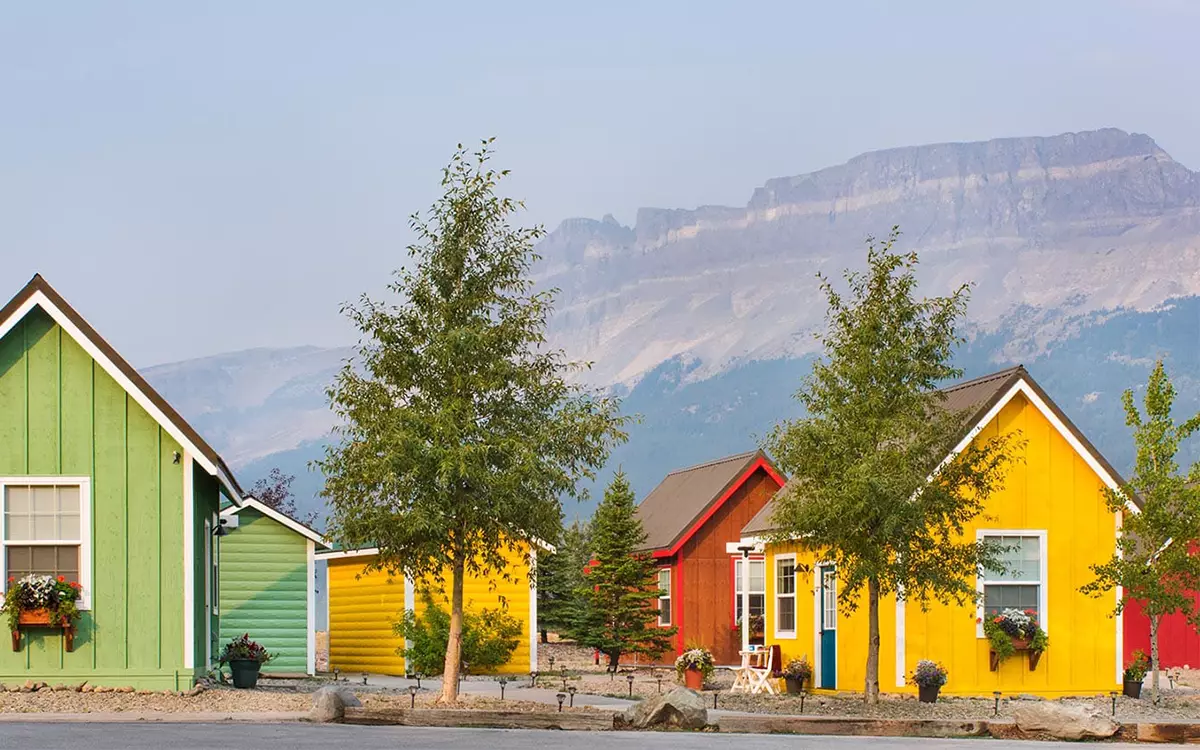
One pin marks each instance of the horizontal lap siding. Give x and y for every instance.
(62, 415)
(264, 589)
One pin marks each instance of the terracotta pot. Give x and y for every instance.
(693, 679)
(34, 617)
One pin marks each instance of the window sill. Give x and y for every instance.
(789, 635)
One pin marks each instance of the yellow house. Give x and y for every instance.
(1050, 514)
(364, 607)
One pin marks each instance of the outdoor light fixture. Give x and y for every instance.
(532, 679)
(175, 457)
(1113, 694)
(571, 692)
(561, 697)
(629, 677)
(503, 681)
(803, 695)
(996, 705)
(364, 678)
(412, 694)
(551, 663)
(336, 672)
(715, 694)
(418, 676)
(612, 672)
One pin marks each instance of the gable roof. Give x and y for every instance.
(282, 518)
(685, 498)
(982, 399)
(39, 293)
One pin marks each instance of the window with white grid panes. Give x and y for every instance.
(1018, 585)
(828, 599)
(758, 588)
(664, 597)
(43, 531)
(785, 595)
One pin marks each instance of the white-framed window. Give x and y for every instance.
(664, 597)
(758, 588)
(45, 529)
(1022, 583)
(785, 596)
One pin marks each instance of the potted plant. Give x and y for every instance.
(796, 673)
(694, 667)
(1011, 631)
(245, 658)
(929, 676)
(42, 601)
(1135, 672)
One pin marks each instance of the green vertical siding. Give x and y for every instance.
(264, 589)
(61, 414)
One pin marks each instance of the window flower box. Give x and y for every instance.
(1011, 632)
(42, 601)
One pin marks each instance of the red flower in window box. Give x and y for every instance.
(62, 579)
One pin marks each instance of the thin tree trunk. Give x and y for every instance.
(454, 643)
(614, 659)
(871, 691)
(545, 636)
(1154, 659)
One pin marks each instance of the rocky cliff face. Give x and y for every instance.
(1052, 230)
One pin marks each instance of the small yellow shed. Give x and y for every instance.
(1052, 518)
(364, 607)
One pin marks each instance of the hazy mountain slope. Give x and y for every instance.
(1085, 251)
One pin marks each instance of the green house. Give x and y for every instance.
(266, 584)
(102, 482)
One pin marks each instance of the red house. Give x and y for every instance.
(689, 518)
(1178, 642)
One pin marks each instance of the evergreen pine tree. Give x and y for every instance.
(560, 576)
(619, 599)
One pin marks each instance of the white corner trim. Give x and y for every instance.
(1043, 576)
(410, 605)
(1120, 617)
(311, 565)
(533, 613)
(339, 554)
(774, 573)
(901, 646)
(189, 589)
(816, 591)
(39, 299)
(274, 515)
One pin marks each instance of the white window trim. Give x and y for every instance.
(669, 597)
(1043, 572)
(785, 634)
(85, 527)
(737, 580)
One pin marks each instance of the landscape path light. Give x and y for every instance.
(503, 681)
(412, 694)
(629, 678)
(996, 705)
(571, 692)
(533, 679)
(561, 697)
(1113, 694)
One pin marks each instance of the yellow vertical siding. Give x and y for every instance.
(363, 609)
(1049, 488)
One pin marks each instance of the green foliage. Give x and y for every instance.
(460, 428)
(929, 673)
(1136, 670)
(1001, 629)
(619, 600)
(244, 649)
(489, 638)
(1154, 562)
(560, 577)
(699, 659)
(869, 488)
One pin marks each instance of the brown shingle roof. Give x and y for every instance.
(974, 398)
(685, 495)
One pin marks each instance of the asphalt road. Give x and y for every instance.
(44, 736)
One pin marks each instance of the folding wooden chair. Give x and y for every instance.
(760, 677)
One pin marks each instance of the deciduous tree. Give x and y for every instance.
(871, 489)
(460, 427)
(1155, 562)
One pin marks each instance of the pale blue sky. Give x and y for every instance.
(203, 177)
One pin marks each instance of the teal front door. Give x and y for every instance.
(828, 627)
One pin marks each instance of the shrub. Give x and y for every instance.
(695, 658)
(489, 638)
(928, 674)
(244, 649)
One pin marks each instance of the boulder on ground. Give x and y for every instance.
(329, 703)
(681, 708)
(1065, 722)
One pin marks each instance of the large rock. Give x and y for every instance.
(1065, 722)
(680, 708)
(329, 703)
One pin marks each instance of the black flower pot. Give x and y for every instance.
(1131, 688)
(245, 673)
(795, 685)
(928, 693)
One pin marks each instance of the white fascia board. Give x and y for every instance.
(274, 515)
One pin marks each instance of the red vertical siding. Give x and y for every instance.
(1178, 642)
(705, 574)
